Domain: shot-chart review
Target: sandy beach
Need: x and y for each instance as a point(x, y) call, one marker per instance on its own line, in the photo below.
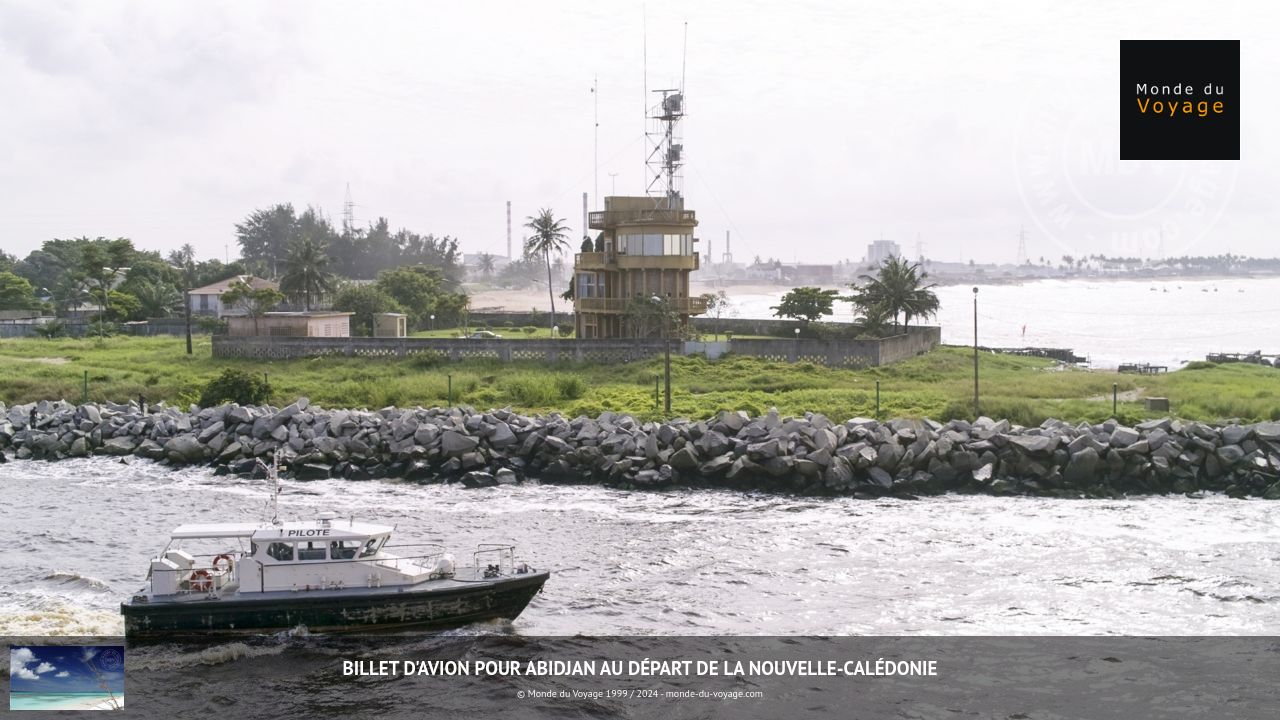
point(49, 701)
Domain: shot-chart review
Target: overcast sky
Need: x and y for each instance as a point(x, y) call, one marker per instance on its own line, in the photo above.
point(813, 127)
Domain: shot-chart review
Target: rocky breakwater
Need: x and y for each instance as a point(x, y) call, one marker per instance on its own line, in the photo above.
point(809, 454)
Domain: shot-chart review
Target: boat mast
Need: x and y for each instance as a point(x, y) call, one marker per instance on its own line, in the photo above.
point(274, 474)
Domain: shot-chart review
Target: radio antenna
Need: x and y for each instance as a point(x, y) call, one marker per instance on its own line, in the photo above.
point(684, 55)
point(274, 474)
point(644, 66)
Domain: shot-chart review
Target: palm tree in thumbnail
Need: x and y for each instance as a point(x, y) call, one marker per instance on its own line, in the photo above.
point(549, 236)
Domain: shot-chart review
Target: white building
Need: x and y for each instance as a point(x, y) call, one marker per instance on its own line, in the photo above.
point(880, 250)
point(207, 300)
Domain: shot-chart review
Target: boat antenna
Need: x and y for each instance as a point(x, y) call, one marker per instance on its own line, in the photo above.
point(274, 474)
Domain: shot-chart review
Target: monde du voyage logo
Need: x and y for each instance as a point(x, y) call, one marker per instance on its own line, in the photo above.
point(1179, 99)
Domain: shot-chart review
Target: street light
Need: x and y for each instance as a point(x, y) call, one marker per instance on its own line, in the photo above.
point(796, 350)
point(976, 413)
point(666, 353)
point(433, 323)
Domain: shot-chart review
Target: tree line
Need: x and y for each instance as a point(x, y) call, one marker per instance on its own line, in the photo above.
point(269, 235)
point(364, 270)
point(109, 274)
point(898, 290)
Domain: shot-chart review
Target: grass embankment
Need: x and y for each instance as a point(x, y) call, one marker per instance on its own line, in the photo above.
point(937, 385)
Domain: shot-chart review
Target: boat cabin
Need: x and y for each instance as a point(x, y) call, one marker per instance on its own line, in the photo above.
point(325, 553)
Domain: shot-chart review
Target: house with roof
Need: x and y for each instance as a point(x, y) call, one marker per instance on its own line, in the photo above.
point(207, 300)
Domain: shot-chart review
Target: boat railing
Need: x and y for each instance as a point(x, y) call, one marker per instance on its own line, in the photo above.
point(203, 580)
point(403, 563)
point(491, 552)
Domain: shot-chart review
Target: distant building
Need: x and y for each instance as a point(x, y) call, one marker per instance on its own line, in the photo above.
point(292, 324)
point(207, 300)
point(809, 274)
point(880, 250)
point(647, 251)
point(390, 325)
point(769, 270)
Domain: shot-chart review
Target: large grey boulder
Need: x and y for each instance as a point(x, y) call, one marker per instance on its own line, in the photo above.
point(184, 448)
point(1082, 467)
point(454, 443)
point(120, 445)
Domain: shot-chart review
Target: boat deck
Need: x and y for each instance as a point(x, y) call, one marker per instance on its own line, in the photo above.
point(468, 579)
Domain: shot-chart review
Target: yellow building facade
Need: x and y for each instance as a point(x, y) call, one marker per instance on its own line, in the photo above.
point(645, 250)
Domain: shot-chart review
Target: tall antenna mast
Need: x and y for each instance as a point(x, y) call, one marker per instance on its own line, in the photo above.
point(684, 55)
point(644, 64)
point(666, 146)
point(595, 96)
point(1022, 245)
point(348, 213)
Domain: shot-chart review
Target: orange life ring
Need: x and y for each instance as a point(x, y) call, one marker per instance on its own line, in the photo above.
point(201, 581)
point(220, 558)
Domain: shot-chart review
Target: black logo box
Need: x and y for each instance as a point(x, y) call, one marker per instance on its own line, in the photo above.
point(1189, 65)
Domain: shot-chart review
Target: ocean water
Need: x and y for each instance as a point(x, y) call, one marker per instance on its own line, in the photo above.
point(63, 701)
point(1162, 322)
point(692, 562)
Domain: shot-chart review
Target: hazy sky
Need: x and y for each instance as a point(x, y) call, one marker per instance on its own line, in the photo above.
point(813, 127)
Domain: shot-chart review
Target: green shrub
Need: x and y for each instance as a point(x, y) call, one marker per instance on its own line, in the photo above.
point(236, 386)
point(531, 389)
point(570, 387)
point(1200, 365)
point(101, 328)
point(50, 330)
point(211, 325)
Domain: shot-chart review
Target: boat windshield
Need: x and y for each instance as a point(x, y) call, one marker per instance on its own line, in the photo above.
point(343, 549)
point(372, 546)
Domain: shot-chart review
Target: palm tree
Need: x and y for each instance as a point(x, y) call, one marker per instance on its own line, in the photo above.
point(549, 235)
point(306, 272)
point(182, 257)
point(486, 264)
point(159, 300)
point(896, 290)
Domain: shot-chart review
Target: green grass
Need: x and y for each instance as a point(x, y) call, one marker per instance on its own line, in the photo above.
point(937, 385)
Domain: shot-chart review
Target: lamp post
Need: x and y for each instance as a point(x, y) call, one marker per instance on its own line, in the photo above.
point(666, 354)
point(796, 347)
point(433, 323)
point(186, 312)
point(976, 412)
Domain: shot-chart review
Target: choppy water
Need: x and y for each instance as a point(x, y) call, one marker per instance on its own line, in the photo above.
point(78, 534)
point(1163, 322)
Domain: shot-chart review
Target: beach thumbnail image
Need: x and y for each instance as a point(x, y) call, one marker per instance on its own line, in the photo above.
point(66, 677)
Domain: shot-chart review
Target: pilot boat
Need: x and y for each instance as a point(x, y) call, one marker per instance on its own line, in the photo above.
point(327, 574)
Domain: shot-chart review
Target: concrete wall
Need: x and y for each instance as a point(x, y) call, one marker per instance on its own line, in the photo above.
point(171, 326)
point(836, 353)
point(280, 348)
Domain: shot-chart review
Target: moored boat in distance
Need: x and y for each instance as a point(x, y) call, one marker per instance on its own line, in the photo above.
point(327, 574)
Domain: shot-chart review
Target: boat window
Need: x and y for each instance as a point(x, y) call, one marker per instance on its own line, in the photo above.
point(280, 551)
point(371, 547)
point(343, 549)
point(311, 552)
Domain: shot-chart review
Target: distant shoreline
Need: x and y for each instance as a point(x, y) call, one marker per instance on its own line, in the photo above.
point(498, 300)
point(63, 701)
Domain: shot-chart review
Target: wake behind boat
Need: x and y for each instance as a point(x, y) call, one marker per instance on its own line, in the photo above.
point(328, 574)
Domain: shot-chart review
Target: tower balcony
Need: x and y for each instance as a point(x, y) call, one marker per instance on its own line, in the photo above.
point(615, 261)
point(604, 219)
point(680, 305)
